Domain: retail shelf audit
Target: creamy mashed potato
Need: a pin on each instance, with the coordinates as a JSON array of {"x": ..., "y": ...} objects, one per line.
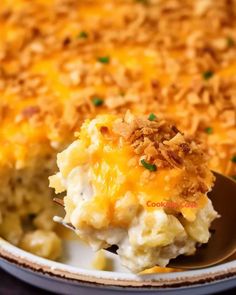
[{"x": 121, "y": 165}]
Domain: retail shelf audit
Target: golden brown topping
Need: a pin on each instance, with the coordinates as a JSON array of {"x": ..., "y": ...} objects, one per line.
[
  {"x": 70, "y": 52},
  {"x": 159, "y": 143}
]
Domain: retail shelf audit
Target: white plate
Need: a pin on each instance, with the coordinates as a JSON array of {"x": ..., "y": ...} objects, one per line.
[{"x": 75, "y": 275}]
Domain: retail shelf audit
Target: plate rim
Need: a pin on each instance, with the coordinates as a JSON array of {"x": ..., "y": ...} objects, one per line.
[{"x": 28, "y": 261}]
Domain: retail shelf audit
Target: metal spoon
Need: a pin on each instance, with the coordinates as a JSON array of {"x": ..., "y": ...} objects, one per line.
[{"x": 222, "y": 244}]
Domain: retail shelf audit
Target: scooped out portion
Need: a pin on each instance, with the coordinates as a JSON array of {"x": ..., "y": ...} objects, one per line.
[{"x": 138, "y": 183}]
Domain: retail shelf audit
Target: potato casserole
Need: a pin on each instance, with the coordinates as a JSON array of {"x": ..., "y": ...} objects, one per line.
[
  {"x": 114, "y": 173},
  {"x": 66, "y": 61}
]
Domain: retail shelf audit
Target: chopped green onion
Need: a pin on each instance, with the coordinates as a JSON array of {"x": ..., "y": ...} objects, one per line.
[
  {"x": 104, "y": 59},
  {"x": 152, "y": 117},
  {"x": 150, "y": 167},
  {"x": 233, "y": 159},
  {"x": 230, "y": 42},
  {"x": 83, "y": 34},
  {"x": 207, "y": 75},
  {"x": 97, "y": 101},
  {"x": 234, "y": 177},
  {"x": 209, "y": 130}
]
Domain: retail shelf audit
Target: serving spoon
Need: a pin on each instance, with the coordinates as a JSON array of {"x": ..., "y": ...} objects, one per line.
[{"x": 222, "y": 244}]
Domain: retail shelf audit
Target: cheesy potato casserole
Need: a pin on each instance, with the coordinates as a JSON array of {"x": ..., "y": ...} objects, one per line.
[
  {"x": 115, "y": 172},
  {"x": 65, "y": 61}
]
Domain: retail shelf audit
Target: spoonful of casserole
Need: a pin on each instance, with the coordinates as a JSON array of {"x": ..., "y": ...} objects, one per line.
[{"x": 139, "y": 187}]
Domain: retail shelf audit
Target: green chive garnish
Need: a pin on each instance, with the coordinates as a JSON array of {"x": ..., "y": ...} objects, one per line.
[
  {"x": 207, "y": 75},
  {"x": 233, "y": 159},
  {"x": 104, "y": 59},
  {"x": 209, "y": 130},
  {"x": 230, "y": 42},
  {"x": 152, "y": 117},
  {"x": 83, "y": 34},
  {"x": 150, "y": 167},
  {"x": 97, "y": 101}
]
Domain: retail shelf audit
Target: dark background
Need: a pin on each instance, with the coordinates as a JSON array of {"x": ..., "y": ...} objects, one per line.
[{"x": 12, "y": 286}]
